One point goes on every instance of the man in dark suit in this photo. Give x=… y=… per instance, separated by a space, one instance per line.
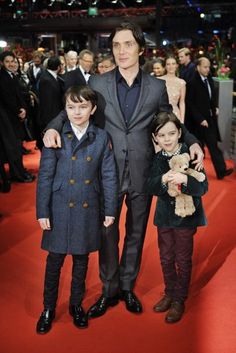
x=201 y=114
x=35 y=70
x=51 y=88
x=12 y=116
x=128 y=99
x=80 y=76
x=187 y=67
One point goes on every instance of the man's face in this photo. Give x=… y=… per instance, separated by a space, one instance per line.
x=204 y=68
x=37 y=61
x=126 y=50
x=71 y=61
x=9 y=63
x=86 y=62
x=183 y=59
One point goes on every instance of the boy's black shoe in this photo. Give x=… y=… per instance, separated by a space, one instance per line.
x=45 y=321
x=80 y=318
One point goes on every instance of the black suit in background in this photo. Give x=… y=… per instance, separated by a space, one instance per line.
x=200 y=105
x=74 y=78
x=34 y=80
x=12 y=101
x=50 y=99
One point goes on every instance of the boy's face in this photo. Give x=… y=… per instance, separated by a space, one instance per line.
x=79 y=112
x=168 y=137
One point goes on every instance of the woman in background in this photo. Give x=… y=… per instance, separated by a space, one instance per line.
x=176 y=87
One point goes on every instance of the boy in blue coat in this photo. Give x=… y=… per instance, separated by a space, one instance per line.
x=76 y=185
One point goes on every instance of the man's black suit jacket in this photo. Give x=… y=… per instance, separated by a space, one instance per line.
x=12 y=100
x=199 y=105
x=74 y=78
x=50 y=98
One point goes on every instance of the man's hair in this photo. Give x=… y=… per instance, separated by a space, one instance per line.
x=108 y=57
x=200 y=60
x=53 y=63
x=186 y=51
x=37 y=54
x=85 y=51
x=77 y=93
x=71 y=52
x=5 y=54
x=136 y=31
x=162 y=119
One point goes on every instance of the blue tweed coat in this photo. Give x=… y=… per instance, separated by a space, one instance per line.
x=77 y=185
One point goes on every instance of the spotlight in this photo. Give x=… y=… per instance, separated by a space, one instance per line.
x=3 y=44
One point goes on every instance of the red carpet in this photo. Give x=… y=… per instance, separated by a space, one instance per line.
x=208 y=325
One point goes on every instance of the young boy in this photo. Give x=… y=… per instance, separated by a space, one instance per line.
x=175 y=234
x=71 y=184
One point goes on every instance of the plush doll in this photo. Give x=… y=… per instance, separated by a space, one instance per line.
x=184 y=205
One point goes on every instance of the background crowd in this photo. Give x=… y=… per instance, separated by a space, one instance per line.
x=31 y=80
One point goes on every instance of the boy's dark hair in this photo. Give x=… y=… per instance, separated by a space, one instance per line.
x=163 y=118
x=53 y=63
x=136 y=31
x=76 y=93
x=5 y=54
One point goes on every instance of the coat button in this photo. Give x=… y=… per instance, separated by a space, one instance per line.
x=172 y=202
x=72 y=181
x=73 y=158
x=87 y=181
x=69 y=136
x=88 y=158
x=71 y=204
x=85 y=205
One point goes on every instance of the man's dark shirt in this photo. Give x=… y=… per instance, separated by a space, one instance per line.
x=128 y=95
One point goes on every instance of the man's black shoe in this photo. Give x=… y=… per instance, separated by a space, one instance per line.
x=45 y=321
x=25 y=178
x=80 y=319
x=101 y=306
x=6 y=186
x=132 y=303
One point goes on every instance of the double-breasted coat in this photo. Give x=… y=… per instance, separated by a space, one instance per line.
x=76 y=183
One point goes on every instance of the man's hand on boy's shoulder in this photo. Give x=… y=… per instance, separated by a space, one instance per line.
x=196 y=155
x=52 y=139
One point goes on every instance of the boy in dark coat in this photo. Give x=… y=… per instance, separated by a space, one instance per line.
x=175 y=234
x=71 y=184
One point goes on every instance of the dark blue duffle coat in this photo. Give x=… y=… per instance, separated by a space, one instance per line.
x=75 y=183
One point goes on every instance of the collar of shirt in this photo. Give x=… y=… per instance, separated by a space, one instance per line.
x=86 y=75
x=53 y=73
x=68 y=69
x=77 y=131
x=10 y=73
x=167 y=154
x=36 y=69
x=120 y=78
